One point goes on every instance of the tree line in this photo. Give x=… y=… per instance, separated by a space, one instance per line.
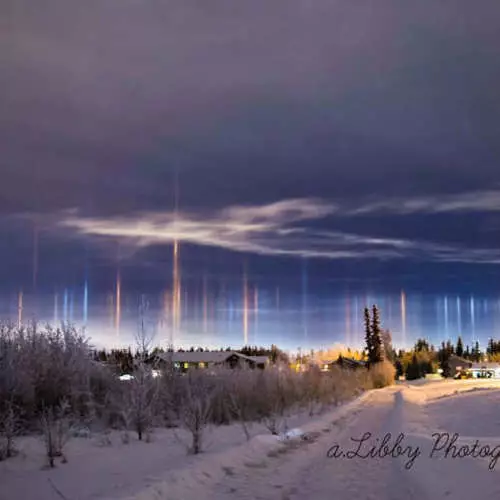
x=123 y=361
x=423 y=358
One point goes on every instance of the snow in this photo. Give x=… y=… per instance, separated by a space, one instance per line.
x=269 y=468
x=291 y=434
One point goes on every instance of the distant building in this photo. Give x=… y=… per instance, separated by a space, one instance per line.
x=342 y=362
x=182 y=361
x=458 y=365
x=463 y=368
x=484 y=370
x=349 y=363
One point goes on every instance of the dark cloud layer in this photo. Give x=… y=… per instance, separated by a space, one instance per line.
x=388 y=111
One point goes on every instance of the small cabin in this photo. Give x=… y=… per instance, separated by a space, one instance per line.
x=183 y=361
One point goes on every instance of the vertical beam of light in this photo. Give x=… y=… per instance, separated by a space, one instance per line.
x=230 y=313
x=85 y=302
x=211 y=308
x=446 y=317
x=176 y=279
x=304 y=299
x=438 y=314
x=256 y=313
x=245 y=309
x=20 y=309
x=35 y=255
x=403 y=318
x=223 y=301
x=110 y=308
x=176 y=289
x=167 y=300
x=65 y=306
x=196 y=299
x=71 y=306
x=473 y=318
x=357 y=313
x=389 y=310
x=118 y=302
x=348 y=321
x=163 y=320
x=56 y=309
x=459 y=316
x=205 y=304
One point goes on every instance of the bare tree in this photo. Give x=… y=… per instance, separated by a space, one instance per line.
x=142 y=390
x=170 y=388
x=313 y=388
x=241 y=390
x=56 y=428
x=278 y=387
x=196 y=407
x=9 y=428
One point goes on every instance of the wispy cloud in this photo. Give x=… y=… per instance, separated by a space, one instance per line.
x=279 y=228
x=475 y=201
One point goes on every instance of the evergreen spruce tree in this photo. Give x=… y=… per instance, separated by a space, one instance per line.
x=399 y=369
x=444 y=357
x=460 y=347
x=340 y=361
x=449 y=348
x=368 y=336
x=467 y=354
x=491 y=347
x=477 y=353
x=413 y=371
x=377 y=341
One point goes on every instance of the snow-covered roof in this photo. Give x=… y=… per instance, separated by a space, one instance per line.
x=208 y=357
x=486 y=365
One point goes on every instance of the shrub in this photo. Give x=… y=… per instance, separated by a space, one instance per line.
x=56 y=428
x=40 y=368
x=9 y=428
x=196 y=406
x=140 y=396
x=382 y=374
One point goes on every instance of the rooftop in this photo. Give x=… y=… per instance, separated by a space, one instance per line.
x=208 y=357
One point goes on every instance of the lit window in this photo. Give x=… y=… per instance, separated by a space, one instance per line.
x=186 y=365
x=202 y=365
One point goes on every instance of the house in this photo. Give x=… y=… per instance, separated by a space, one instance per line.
x=484 y=370
x=458 y=365
x=349 y=363
x=185 y=360
x=342 y=362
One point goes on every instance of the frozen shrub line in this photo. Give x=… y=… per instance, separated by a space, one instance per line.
x=50 y=383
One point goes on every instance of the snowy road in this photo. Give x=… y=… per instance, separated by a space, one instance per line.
x=304 y=471
x=266 y=469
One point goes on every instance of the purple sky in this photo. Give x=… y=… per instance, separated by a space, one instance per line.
x=352 y=132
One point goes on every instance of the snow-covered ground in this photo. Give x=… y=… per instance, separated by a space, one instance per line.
x=266 y=468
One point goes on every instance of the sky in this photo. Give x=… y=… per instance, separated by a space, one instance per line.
x=360 y=137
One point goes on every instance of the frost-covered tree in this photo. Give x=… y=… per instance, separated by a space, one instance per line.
x=196 y=406
x=141 y=392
